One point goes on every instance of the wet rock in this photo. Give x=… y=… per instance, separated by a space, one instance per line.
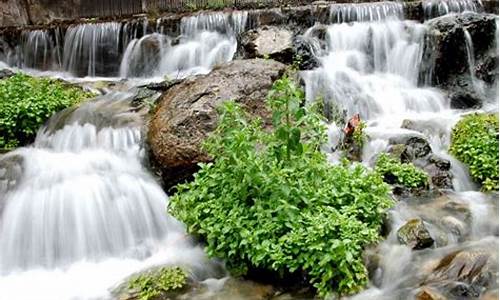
x=304 y=53
x=6 y=73
x=413 y=148
x=447 y=54
x=464 y=273
x=268 y=42
x=415 y=235
x=11 y=171
x=429 y=294
x=487 y=69
x=186 y=114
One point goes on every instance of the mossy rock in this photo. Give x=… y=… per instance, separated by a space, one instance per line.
x=154 y=284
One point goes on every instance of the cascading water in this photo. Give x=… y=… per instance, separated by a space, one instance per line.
x=132 y=49
x=79 y=209
x=436 y=8
x=352 y=12
x=206 y=40
x=373 y=69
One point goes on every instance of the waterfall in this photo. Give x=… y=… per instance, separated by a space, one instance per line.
x=131 y=49
x=372 y=69
x=436 y=8
x=377 y=11
x=221 y=22
x=92 y=49
x=206 y=40
x=79 y=202
x=39 y=51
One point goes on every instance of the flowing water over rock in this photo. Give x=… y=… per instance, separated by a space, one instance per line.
x=373 y=69
x=131 y=49
x=436 y=8
x=377 y=11
x=79 y=211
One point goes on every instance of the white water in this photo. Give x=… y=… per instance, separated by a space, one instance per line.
x=132 y=49
x=376 y=11
x=373 y=69
x=79 y=211
x=436 y=8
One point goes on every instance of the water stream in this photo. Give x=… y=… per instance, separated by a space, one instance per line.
x=99 y=215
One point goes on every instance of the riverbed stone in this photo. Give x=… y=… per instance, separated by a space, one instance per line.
x=187 y=112
x=464 y=273
x=415 y=235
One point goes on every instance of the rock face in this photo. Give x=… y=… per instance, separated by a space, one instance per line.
x=13 y=13
x=269 y=42
x=415 y=235
x=447 y=49
x=187 y=112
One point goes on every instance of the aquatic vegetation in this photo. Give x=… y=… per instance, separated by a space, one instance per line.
x=270 y=200
x=474 y=141
x=27 y=102
x=406 y=174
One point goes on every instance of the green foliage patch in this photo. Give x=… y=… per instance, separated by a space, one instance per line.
x=270 y=200
x=153 y=284
x=474 y=141
x=27 y=102
x=406 y=174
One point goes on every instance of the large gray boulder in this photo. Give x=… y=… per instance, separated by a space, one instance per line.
x=186 y=114
x=268 y=42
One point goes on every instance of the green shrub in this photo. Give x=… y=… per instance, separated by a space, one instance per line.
x=474 y=141
x=151 y=285
x=406 y=174
x=270 y=200
x=27 y=102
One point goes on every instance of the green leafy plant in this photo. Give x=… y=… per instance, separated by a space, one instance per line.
x=153 y=284
x=474 y=141
x=270 y=200
x=27 y=102
x=406 y=174
x=359 y=135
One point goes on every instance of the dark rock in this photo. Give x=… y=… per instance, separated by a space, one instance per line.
x=304 y=53
x=415 y=147
x=187 y=112
x=415 y=235
x=487 y=69
x=268 y=42
x=447 y=55
x=6 y=73
x=411 y=148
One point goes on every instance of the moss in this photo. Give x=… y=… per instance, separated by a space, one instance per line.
x=474 y=141
x=153 y=284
